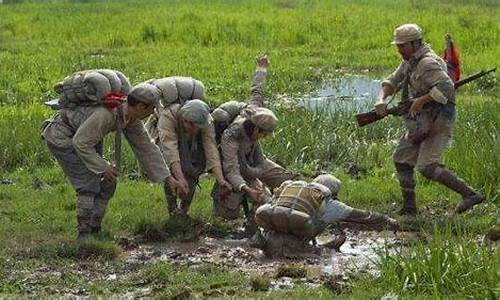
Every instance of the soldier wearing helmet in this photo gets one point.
(423, 79)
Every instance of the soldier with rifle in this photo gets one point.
(429, 92)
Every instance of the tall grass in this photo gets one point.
(441, 267)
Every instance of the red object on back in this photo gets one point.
(452, 59)
(114, 99)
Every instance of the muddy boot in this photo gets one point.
(257, 240)
(372, 220)
(409, 204)
(445, 177)
(406, 178)
(84, 206)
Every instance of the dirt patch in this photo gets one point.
(359, 252)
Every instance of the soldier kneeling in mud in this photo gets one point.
(299, 211)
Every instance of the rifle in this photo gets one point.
(404, 106)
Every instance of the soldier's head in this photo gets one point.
(194, 115)
(142, 100)
(260, 123)
(330, 181)
(408, 39)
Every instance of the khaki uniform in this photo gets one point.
(194, 154)
(243, 160)
(74, 137)
(429, 134)
(300, 211)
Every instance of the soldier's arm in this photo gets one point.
(167, 132)
(146, 151)
(390, 84)
(259, 82)
(211, 153)
(231, 165)
(436, 80)
(91, 133)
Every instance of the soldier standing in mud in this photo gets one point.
(245, 166)
(300, 211)
(75, 136)
(187, 136)
(422, 76)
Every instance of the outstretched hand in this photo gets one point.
(262, 61)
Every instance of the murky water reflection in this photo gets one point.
(349, 93)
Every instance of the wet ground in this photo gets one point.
(359, 252)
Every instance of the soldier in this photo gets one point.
(187, 136)
(74, 136)
(245, 166)
(299, 211)
(422, 76)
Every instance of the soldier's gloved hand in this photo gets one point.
(381, 108)
(262, 61)
(110, 174)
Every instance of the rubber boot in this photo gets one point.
(409, 203)
(442, 175)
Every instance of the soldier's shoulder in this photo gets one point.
(234, 130)
(431, 62)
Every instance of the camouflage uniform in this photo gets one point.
(194, 154)
(243, 160)
(74, 137)
(321, 207)
(429, 133)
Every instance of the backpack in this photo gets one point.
(291, 213)
(178, 89)
(91, 88)
(175, 89)
(224, 115)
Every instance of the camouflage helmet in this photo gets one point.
(330, 181)
(407, 33)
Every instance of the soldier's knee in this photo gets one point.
(429, 171)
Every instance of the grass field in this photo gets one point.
(216, 41)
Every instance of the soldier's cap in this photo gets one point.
(220, 115)
(407, 33)
(197, 112)
(147, 94)
(264, 119)
(330, 181)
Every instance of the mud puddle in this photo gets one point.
(351, 93)
(359, 252)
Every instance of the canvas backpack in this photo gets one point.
(295, 210)
(90, 88)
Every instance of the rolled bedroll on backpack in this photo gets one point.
(89, 87)
(284, 220)
(178, 89)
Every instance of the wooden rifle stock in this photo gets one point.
(403, 107)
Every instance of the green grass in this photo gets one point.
(215, 41)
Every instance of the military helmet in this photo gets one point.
(407, 33)
(330, 181)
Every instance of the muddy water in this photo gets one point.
(348, 93)
(359, 252)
